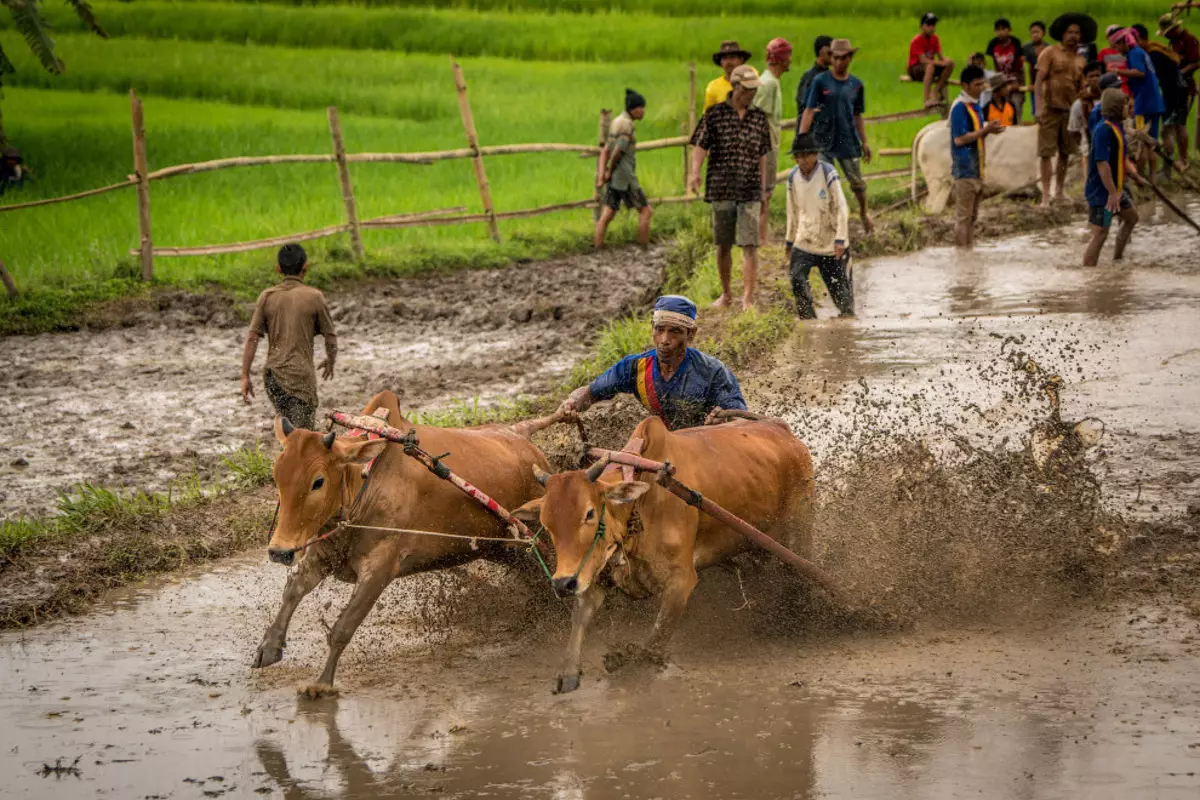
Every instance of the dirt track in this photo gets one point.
(140, 406)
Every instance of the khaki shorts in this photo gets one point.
(735, 223)
(1053, 137)
(851, 170)
(967, 194)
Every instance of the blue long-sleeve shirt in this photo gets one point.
(701, 384)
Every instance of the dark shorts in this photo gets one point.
(917, 72)
(1101, 217)
(633, 197)
(300, 413)
(1177, 114)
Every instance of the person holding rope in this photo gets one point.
(677, 383)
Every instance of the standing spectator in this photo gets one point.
(1081, 111)
(1187, 47)
(1007, 59)
(821, 48)
(1056, 88)
(833, 113)
(1108, 166)
(290, 315)
(1001, 108)
(1148, 104)
(729, 57)
(967, 134)
(735, 137)
(1112, 58)
(618, 176)
(926, 62)
(1174, 94)
(1031, 52)
(817, 229)
(769, 98)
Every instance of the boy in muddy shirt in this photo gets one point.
(290, 314)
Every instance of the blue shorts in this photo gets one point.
(1148, 123)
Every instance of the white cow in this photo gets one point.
(1011, 161)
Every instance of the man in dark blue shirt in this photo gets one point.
(1108, 168)
(967, 153)
(682, 386)
(833, 113)
(820, 66)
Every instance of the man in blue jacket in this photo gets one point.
(683, 386)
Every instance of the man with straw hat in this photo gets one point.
(728, 58)
(1059, 75)
(1109, 166)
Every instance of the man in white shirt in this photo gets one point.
(770, 99)
(817, 229)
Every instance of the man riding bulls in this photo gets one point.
(679, 384)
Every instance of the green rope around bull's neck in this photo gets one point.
(600, 531)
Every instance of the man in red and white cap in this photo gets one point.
(770, 99)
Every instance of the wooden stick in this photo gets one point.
(468, 121)
(78, 195)
(1166, 200)
(243, 247)
(339, 152)
(141, 171)
(413, 215)
(602, 137)
(691, 124)
(10, 287)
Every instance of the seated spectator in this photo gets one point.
(1007, 59)
(926, 63)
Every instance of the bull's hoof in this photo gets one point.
(316, 691)
(267, 655)
(566, 683)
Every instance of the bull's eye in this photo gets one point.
(591, 515)
(318, 483)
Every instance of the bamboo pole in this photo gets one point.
(602, 130)
(141, 172)
(339, 152)
(468, 121)
(10, 287)
(77, 196)
(691, 124)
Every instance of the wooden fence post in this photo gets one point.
(468, 121)
(339, 153)
(142, 171)
(9, 286)
(691, 124)
(601, 140)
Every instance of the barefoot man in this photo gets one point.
(1109, 166)
(618, 172)
(1059, 77)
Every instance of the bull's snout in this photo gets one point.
(565, 587)
(279, 556)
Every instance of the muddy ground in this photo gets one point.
(141, 405)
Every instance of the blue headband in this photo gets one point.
(676, 309)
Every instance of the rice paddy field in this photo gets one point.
(232, 79)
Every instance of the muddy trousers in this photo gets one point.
(833, 273)
(300, 413)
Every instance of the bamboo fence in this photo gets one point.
(142, 178)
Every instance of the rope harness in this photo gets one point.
(600, 533)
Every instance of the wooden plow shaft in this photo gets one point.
(667, 480)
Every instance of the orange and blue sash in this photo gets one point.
(976, 126)
(645, 385)
(1120, 173)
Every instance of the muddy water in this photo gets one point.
(141, 406)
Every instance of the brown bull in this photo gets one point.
(755, 469)
(320, 477)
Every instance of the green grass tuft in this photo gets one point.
(249, 466)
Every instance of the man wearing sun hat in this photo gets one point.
(1059, 77)
(674, 381)
(728, 58)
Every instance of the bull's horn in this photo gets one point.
(541, 475)
(327, 440)
(286, 425)
(596, 470)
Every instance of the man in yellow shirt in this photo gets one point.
(729, 57)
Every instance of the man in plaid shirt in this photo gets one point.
(735, 137)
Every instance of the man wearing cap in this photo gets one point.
(735, 137)
(1148, 106)
(968, 130)
(618, 171)
(817, 229)
(769, 98)
(1108, 167)
(729, 57)
(926, 62)
(1187, 47)
(675, 382)
(821, 48)
(833, 112)
(1059, 76)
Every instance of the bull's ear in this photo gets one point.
(283, 429)
(531, 512)
(626, 492)
(358, 451)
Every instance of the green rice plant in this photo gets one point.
(16, 534)
(249, 466)
(93, 507)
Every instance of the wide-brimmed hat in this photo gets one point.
(1087, 27)
(805, 143)
(1166, 24)
(745, 76)
(841, 47)
(730, 47)
(1000, 79)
